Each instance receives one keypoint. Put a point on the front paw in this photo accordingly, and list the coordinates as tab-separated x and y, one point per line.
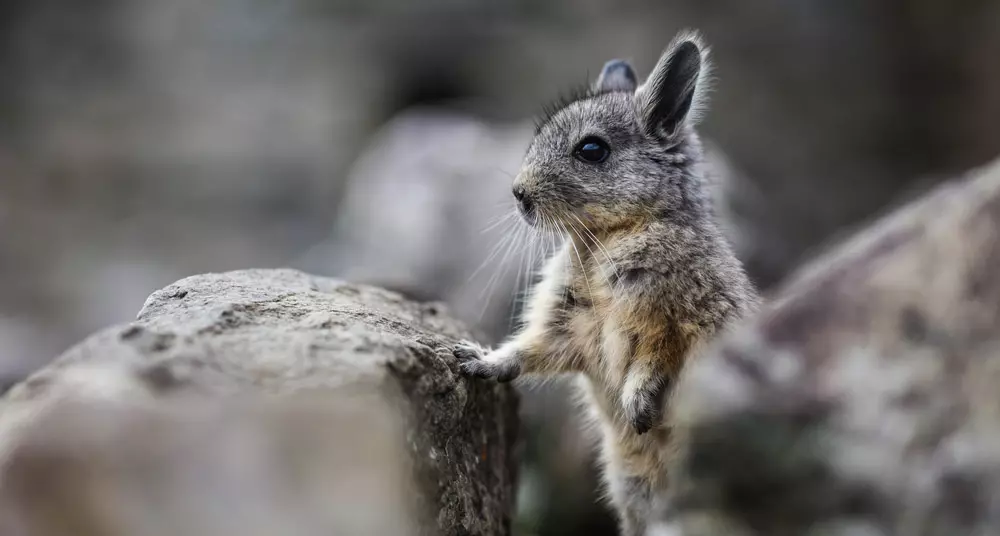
469	351
475	361
643	412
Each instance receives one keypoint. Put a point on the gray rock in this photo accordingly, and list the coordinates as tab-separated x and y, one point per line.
280	335
863	399
204	467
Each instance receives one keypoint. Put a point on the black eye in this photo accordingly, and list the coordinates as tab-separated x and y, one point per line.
592	150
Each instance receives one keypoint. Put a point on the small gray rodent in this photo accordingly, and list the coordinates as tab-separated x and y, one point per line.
645	276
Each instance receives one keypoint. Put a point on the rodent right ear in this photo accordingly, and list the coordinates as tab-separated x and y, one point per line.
672	94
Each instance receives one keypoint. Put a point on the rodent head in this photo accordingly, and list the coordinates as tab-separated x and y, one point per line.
619	152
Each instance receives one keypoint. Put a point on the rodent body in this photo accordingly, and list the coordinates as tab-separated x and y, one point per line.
645	276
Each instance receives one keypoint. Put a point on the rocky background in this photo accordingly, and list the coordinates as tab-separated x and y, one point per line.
143	141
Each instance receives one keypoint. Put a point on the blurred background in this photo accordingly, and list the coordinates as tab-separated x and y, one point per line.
142	141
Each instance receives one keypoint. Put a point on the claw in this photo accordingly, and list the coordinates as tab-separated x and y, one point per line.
465	354
466	351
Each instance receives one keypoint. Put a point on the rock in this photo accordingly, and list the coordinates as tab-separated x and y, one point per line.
197	466
274	338
863	399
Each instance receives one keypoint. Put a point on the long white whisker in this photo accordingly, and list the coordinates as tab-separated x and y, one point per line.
577	232
504	241
500	270
523	235
591	251
557	234
600	246
583	268
523	271
567	269
499	220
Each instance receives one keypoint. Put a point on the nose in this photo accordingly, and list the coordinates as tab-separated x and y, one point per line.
523	201
519	193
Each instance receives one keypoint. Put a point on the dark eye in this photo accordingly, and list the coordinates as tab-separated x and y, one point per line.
592	150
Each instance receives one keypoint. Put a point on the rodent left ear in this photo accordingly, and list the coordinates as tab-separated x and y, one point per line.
617	75
672	94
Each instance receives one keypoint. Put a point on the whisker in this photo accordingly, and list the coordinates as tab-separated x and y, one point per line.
599	244
504	241
516	248
501	269
583	268
520	294
607	279
577	232
567	272
499	220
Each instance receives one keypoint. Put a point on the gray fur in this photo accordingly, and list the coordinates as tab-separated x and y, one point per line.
650	276
636	496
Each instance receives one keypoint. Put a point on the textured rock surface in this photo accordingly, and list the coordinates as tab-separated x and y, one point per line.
864	399
282	332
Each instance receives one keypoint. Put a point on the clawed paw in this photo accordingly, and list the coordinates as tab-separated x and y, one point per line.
466	351
474	361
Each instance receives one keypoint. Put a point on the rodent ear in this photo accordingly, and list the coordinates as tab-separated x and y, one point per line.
617	75
674	91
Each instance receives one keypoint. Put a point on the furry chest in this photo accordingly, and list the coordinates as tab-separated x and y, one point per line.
592	334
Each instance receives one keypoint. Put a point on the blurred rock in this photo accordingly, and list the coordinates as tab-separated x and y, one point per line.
863	399
203	467
282	334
